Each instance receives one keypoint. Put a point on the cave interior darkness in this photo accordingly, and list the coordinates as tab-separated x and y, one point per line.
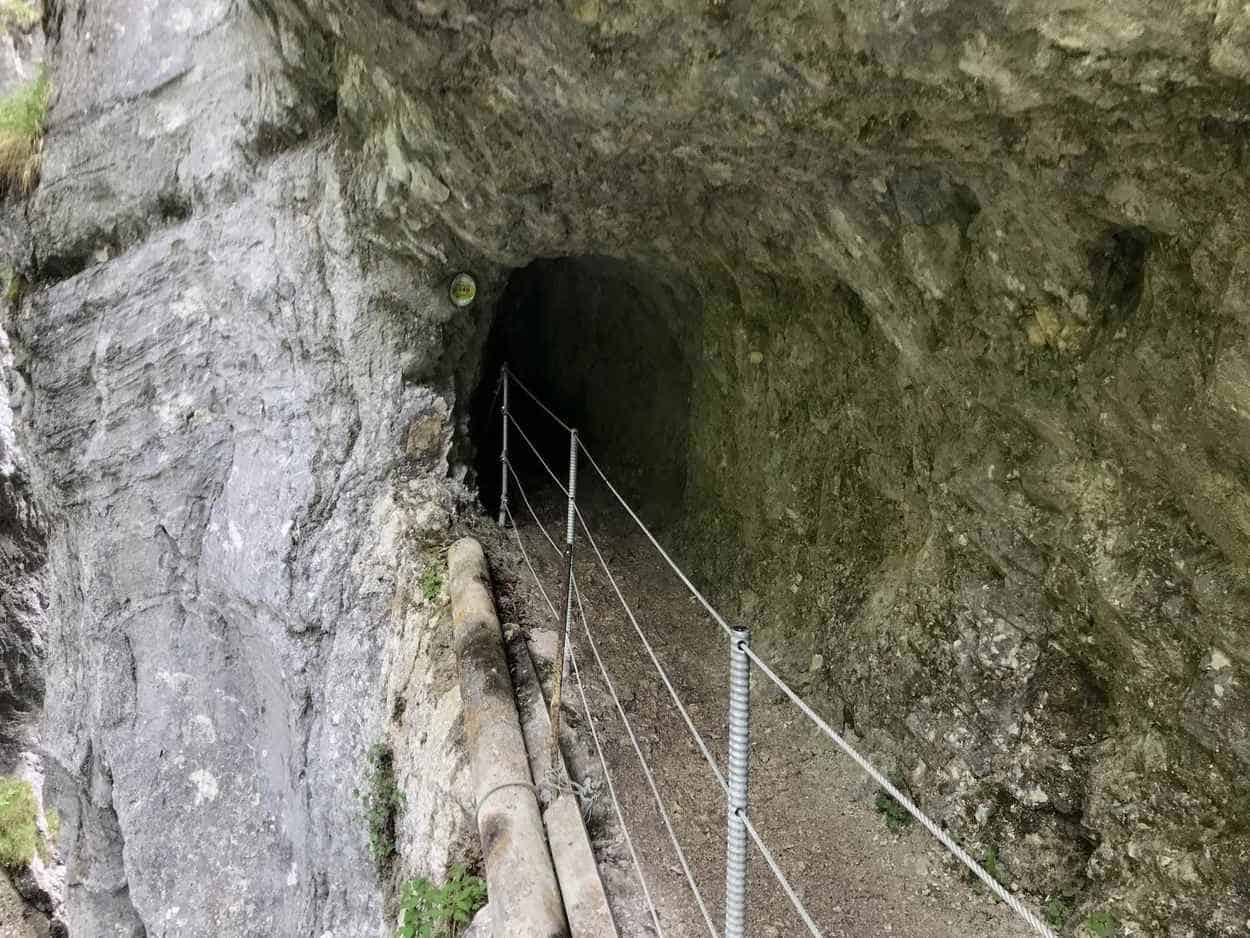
609	346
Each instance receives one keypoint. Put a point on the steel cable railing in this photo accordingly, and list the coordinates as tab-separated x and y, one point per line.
685	714
513	379
694	590
925	821
533	514
620	709
594	733
551	472
616	804
646	769
648	774
780	876
928	824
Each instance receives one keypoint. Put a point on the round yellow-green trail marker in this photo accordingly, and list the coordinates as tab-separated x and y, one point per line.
463	290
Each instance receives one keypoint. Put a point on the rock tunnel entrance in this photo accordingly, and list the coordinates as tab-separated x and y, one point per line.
818	488
731	412
608	345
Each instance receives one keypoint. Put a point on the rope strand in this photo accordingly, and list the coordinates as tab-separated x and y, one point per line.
646	769
534	397
534	449
720	779
945	839
694	590
780	876
533	514
590	721
616	804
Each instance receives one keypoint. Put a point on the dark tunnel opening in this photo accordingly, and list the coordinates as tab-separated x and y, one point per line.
608	345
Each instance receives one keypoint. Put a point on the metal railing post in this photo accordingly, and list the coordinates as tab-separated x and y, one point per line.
736	779
562	646
503	453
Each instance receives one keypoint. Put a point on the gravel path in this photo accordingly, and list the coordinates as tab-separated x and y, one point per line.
813	807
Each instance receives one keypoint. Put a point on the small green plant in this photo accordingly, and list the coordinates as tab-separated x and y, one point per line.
429	911
896	816
53	819
432	582
13	286
1103	924
994	865
19	836
383	802
1057	911
22	114
19	15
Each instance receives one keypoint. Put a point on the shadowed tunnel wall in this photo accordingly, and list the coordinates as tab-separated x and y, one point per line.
608	345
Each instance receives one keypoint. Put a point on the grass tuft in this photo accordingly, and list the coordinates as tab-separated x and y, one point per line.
19	835
22	115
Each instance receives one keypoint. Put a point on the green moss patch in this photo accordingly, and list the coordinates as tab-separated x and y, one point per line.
383	802
432	581
19	835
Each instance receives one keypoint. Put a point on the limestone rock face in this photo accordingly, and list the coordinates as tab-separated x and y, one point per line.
22	524
22	558
968	340
216	383
29	897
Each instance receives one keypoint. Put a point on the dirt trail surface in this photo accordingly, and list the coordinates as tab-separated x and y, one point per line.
812	806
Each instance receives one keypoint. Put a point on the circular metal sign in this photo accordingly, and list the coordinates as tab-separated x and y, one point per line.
463	290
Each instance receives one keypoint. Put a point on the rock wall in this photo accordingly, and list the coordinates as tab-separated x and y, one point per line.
30	896
23	556
973	347
243	419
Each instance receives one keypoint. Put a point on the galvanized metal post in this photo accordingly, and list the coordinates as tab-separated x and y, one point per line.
736	779
562	645
503	453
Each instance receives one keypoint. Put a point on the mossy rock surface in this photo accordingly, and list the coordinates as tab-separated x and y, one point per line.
19	835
